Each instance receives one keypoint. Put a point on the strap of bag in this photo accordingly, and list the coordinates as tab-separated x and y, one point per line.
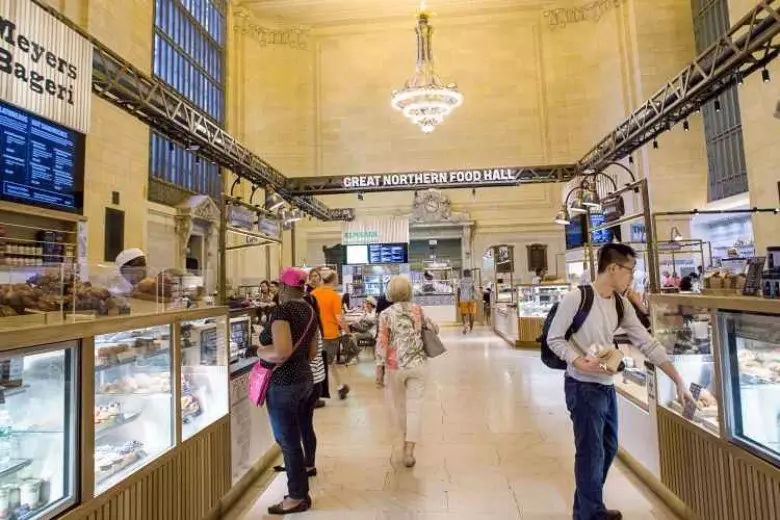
305	332
587	297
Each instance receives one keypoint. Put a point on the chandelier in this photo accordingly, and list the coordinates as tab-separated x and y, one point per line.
425	100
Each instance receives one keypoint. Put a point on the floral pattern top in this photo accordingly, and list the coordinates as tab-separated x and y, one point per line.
400	342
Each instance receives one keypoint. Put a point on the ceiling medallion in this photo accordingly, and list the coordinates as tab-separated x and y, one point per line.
425	100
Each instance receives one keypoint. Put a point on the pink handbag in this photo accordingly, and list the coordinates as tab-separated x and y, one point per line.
260	378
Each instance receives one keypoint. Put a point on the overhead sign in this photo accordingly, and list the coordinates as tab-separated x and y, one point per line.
445	179
375	231
45	67
433	179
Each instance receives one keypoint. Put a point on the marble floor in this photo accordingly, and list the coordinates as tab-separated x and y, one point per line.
497	445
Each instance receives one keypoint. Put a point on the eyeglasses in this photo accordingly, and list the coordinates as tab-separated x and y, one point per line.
632	270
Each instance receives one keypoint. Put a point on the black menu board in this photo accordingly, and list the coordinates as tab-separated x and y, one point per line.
41	162
388	254
239	333
208	346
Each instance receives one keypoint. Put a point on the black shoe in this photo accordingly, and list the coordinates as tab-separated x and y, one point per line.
343	391
611	514
278	509
319	404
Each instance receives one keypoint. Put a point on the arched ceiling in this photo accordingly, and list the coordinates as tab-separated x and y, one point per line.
327	12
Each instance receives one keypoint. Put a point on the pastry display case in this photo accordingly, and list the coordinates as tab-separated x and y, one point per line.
685	331
632	382
133	402
535	301
204	373
751	345
38	409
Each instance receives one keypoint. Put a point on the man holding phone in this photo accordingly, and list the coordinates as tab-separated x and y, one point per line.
590	392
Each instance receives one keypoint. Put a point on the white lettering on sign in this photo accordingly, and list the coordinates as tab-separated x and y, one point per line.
500	176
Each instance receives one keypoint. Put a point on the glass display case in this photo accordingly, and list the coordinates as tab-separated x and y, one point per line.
204	373
686	333
751	346
632	381
133	402
38	411
537	300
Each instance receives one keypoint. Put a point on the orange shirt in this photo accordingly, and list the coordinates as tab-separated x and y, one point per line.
329	302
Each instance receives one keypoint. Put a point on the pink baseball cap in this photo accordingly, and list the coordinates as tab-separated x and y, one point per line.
293	277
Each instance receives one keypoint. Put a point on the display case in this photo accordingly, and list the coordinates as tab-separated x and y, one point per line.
632	382
204	373
133	402
686	333
751	346
537	300
38	405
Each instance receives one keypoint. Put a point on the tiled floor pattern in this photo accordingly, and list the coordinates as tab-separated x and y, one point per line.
497	445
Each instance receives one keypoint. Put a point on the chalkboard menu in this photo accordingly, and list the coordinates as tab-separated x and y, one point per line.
388	254
208	346
42	163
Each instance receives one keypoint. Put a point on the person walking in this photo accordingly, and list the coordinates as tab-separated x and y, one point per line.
400	352
320	363
467	299
331	317
589	387
289	343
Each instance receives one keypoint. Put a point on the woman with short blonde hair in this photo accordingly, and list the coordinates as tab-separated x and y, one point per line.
400	351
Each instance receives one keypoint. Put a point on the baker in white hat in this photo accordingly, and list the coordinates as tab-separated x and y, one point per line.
131	264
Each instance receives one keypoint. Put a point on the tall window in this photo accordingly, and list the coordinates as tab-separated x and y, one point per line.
189	40
723	127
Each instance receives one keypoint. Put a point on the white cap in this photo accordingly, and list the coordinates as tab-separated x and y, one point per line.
128	255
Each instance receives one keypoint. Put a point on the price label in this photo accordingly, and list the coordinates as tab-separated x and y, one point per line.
690	408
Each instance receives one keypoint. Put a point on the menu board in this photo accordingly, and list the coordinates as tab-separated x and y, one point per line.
239	332
41	162
388	254
604	236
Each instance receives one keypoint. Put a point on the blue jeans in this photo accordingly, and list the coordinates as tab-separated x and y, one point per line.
593	411
288	409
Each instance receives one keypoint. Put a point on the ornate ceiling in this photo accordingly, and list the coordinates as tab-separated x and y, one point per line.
326	12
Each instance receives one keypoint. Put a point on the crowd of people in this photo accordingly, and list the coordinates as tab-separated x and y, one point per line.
306	331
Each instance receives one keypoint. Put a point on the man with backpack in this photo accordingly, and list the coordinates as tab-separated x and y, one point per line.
578	337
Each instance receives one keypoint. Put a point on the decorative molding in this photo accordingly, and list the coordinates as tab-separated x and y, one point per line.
294	37
560	17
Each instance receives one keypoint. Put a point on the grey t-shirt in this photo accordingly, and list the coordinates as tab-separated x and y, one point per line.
467	289
598	329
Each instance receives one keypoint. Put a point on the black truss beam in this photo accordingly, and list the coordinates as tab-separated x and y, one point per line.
747	47
451	179
170	114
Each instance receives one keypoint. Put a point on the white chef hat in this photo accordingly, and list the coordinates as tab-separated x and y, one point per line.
128	255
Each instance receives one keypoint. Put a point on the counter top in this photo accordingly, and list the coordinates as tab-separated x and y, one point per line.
726	303
242	366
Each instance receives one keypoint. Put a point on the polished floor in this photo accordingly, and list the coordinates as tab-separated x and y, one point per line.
497	445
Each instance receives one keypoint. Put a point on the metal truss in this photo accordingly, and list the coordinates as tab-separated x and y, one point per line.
172	115
385	182
747	47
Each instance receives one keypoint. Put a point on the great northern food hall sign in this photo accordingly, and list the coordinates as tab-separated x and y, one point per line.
45	67
446	179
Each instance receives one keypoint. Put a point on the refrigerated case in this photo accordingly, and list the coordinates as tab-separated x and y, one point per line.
38	431
133	402
534	302
361	281
751	344
204	373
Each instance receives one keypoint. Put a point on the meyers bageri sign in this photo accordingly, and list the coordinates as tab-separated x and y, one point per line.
45	67
499	176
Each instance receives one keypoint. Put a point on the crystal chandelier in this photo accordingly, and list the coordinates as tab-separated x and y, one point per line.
425	100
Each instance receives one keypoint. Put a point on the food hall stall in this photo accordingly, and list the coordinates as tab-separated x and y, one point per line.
153	373
715	458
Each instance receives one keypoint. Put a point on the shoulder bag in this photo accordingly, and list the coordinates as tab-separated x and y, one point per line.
432	344
260	378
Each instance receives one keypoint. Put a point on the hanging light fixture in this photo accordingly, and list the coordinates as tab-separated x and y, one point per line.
590	199
576	207
562	217
273	201
425	100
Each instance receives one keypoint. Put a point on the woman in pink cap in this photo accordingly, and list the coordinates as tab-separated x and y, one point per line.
290	342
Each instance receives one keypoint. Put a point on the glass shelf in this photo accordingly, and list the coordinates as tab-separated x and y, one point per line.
537	300
133	402
205	377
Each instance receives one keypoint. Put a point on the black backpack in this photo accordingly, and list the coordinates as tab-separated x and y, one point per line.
587	296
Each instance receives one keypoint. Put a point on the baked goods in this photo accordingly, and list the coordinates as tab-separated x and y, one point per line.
109	459
190	408
138	384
